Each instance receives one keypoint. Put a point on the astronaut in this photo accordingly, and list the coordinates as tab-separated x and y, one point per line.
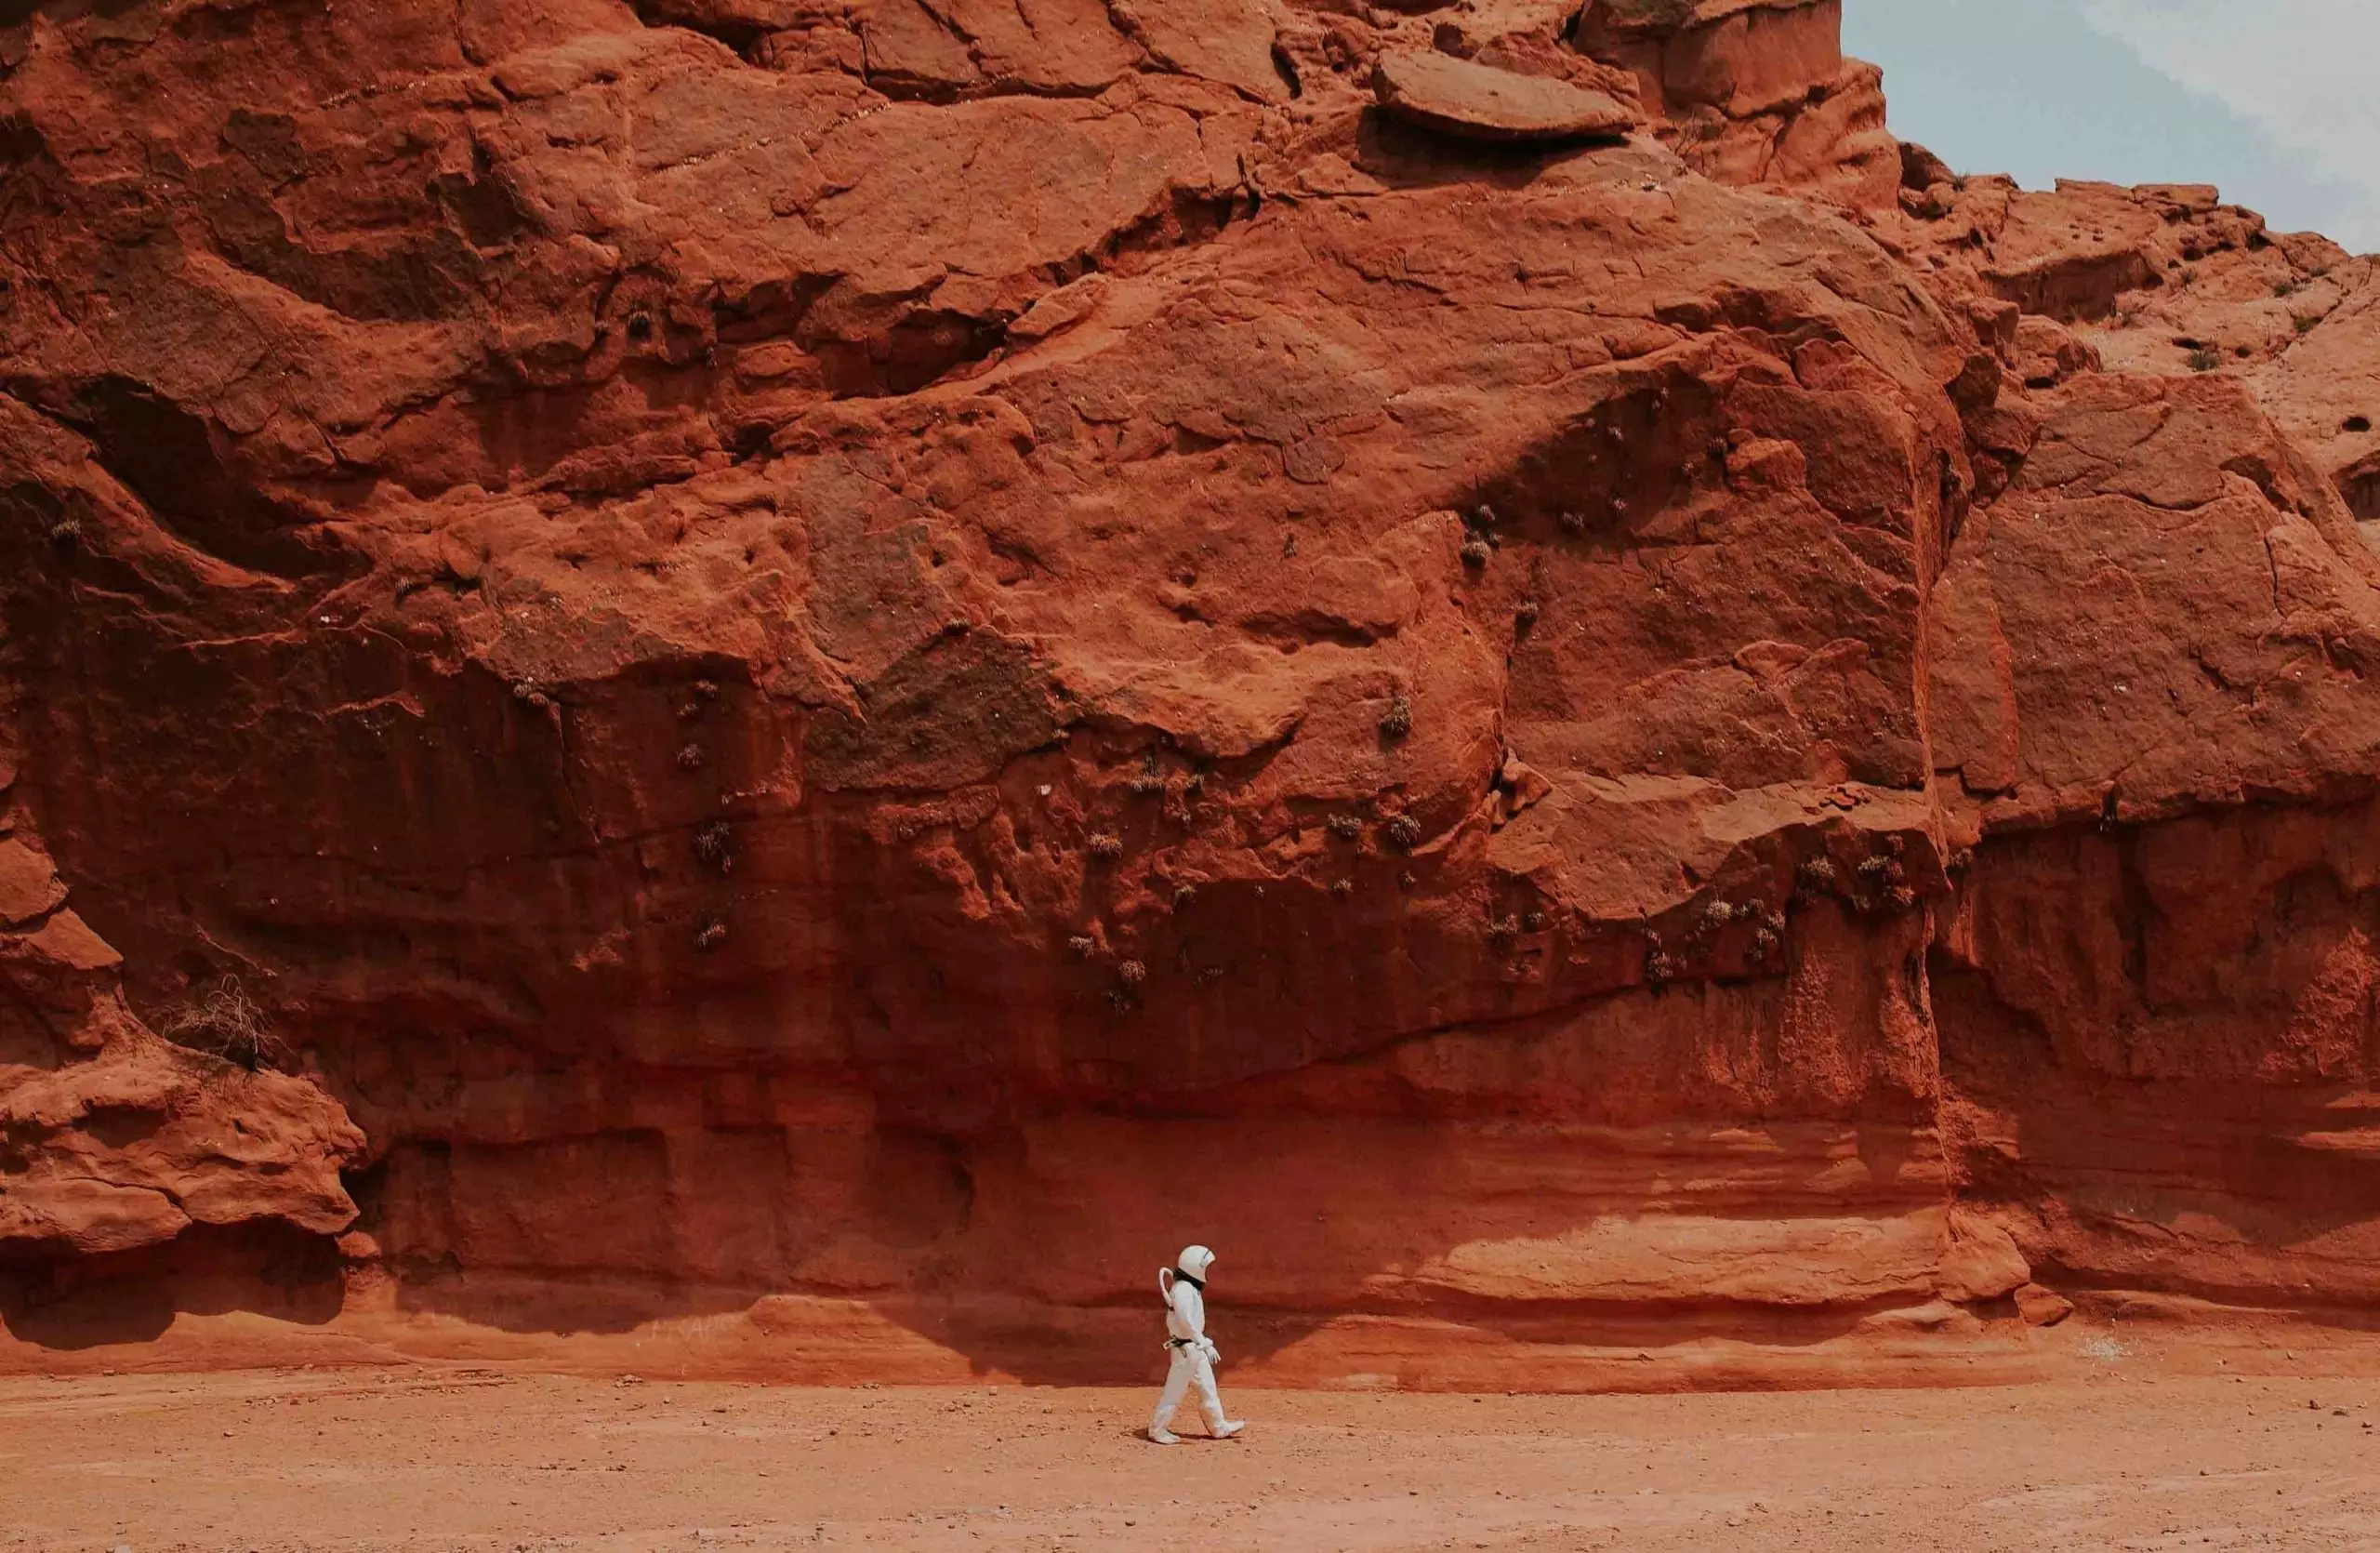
1194	1355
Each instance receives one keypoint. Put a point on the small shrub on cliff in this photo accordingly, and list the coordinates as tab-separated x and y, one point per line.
713	935
691	758
1132	973
1475	553
1105	845
66	531
1083	946
1405	832
2204	360
712	844
1397	722
1816	874
1345	826
224	1022
1343	888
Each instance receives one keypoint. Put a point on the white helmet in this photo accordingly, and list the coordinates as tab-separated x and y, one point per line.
1194	1260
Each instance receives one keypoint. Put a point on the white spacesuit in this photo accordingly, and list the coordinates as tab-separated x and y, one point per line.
1194	1355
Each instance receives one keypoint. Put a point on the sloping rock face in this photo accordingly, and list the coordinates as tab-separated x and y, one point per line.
834	674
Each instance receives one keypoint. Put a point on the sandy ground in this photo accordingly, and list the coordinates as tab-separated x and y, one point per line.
474	1460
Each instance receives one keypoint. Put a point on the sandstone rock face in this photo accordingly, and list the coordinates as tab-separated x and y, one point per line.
1458	96
1983	1262
830	677
112	1139
2042	1306
1755	90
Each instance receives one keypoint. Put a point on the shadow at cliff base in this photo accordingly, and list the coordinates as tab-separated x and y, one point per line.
561	1306
1073	1347
1332	1237
132	1296
830	1339
2256	1198
1409	157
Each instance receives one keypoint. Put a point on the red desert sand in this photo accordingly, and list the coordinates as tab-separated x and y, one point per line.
376	1459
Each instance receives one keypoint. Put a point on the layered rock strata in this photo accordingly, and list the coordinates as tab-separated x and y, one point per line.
790	686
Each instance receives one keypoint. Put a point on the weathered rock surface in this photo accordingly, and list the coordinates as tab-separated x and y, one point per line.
112	1139
1983	1262
1458	97
1754	91
798	655
2040	1307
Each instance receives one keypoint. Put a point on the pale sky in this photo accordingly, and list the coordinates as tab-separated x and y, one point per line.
2276	102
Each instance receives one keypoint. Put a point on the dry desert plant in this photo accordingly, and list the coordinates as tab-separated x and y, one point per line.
225	1022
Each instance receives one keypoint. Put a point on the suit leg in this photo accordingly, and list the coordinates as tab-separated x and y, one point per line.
1177	1385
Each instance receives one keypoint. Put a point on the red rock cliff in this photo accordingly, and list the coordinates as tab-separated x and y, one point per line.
796	683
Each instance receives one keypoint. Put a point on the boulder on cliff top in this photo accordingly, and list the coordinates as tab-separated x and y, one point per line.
1480	102
1673	14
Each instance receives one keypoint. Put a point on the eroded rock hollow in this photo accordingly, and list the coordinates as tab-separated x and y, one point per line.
785	685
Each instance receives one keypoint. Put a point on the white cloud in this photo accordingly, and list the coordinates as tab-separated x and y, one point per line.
2300	71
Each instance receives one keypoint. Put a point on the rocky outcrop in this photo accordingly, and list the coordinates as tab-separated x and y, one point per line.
2169	280
113	1140
1754	91
2157	1028
1475	101
779	665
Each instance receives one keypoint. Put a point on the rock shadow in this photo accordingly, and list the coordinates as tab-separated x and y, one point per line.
132	1296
